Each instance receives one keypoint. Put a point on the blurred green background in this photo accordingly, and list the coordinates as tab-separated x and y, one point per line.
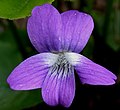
103	48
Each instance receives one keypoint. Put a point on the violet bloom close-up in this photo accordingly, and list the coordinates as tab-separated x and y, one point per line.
59	38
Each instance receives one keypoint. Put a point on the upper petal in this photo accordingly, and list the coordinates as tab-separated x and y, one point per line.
31	73
59	86
44	28
90	72
77	28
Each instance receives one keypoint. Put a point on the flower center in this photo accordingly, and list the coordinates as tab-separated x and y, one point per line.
62	67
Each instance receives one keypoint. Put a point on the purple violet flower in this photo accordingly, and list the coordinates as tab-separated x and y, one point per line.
59	38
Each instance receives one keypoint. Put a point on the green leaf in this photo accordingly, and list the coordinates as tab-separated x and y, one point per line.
15	9
9	58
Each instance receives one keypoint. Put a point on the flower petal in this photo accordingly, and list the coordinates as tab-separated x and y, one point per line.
31	73
77	28
44	28
59	87
67	90
90	72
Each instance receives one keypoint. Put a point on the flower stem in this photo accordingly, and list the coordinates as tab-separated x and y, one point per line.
107	17
17	39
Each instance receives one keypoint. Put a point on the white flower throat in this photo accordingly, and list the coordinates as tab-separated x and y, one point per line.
62	66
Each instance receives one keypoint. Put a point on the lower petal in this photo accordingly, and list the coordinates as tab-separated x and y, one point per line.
90	72
59	88
31	73
67	87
